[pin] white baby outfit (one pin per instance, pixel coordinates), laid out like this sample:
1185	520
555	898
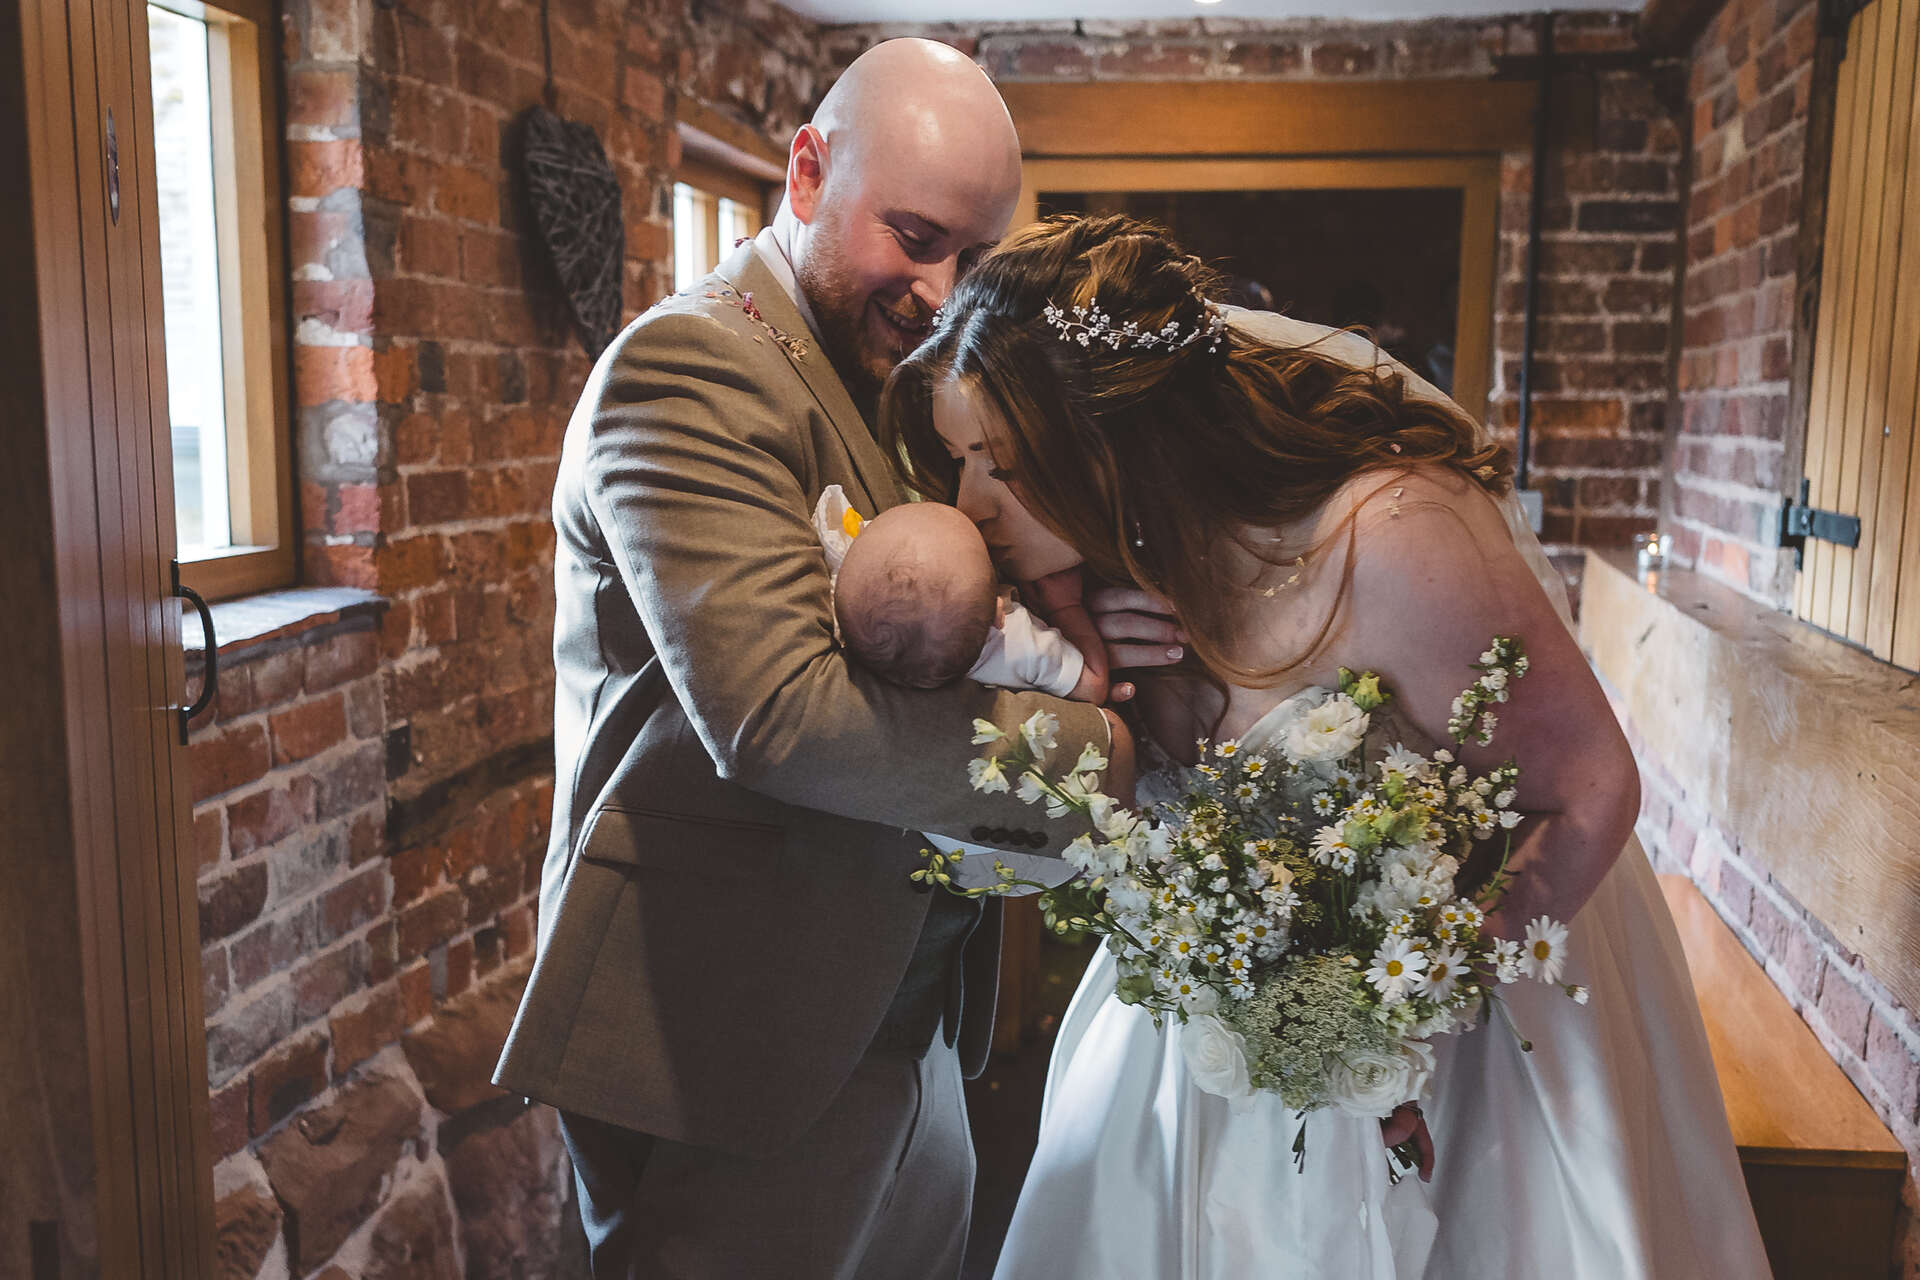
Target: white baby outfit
1021	652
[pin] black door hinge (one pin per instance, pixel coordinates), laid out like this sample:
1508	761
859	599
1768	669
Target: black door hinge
1798	522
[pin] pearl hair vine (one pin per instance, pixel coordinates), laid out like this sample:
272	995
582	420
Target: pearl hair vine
1089	325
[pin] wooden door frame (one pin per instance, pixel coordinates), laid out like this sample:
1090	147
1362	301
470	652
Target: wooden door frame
1477	177
113	798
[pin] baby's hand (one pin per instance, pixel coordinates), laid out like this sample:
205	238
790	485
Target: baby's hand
1091	687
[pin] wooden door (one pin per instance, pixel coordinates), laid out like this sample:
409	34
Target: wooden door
112	796
1863	397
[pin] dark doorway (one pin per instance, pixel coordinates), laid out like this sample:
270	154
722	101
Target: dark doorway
1385	258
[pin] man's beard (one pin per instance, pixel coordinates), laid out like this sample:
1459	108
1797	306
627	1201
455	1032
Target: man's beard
840	309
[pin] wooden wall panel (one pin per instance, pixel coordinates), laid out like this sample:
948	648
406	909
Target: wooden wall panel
1870	425
1838	274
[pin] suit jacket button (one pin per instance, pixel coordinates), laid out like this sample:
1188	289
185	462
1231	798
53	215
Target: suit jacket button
982	834
998	835
1038	839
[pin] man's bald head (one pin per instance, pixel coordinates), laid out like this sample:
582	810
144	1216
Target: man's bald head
908	171
922	106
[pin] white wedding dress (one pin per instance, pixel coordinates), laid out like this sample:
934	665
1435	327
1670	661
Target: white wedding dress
1602	1155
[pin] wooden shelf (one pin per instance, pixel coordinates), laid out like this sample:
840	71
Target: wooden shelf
1786	1099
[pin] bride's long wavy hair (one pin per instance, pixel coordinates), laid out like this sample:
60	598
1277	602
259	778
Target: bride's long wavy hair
1149	461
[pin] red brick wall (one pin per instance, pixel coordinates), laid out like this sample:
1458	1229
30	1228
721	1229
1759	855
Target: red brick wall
372	792
1602	356
1749	87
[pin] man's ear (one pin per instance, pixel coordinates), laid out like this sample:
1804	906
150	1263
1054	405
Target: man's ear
806	172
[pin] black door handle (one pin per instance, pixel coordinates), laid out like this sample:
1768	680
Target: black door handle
210	677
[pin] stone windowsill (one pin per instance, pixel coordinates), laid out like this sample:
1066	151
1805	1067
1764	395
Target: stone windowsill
253	626
1803	749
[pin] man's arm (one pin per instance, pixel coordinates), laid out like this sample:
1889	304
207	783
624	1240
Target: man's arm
707	524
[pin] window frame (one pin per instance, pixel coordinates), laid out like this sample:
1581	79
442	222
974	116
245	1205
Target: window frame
723	158
250	216
716	183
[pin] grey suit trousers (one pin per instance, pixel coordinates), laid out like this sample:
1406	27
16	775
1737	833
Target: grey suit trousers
880	1188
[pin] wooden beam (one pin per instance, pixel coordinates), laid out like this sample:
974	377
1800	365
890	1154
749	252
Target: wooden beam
723	142
1669	27
1804	750
1210	118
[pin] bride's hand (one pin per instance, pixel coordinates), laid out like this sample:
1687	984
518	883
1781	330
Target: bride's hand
1408	1122
1139	630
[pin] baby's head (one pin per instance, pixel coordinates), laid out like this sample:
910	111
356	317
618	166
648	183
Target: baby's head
916	595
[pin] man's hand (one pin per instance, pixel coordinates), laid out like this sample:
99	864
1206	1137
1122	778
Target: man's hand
1138	628
1408	1122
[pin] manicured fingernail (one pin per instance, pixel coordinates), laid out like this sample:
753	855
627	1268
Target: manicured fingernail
1181	636
1173	654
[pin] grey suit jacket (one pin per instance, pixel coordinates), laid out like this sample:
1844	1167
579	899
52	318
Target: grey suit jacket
725	910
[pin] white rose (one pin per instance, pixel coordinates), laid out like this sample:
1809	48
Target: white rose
1372	1082
1216	1057
1327	732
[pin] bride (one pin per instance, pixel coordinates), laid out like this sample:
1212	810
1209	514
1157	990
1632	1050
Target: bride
1300	507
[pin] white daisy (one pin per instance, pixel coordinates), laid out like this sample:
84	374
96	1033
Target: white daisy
1398	969
1326	843
1506	959
1194	995
1444	968
1545	950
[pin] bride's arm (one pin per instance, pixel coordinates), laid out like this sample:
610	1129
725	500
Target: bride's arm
1435	578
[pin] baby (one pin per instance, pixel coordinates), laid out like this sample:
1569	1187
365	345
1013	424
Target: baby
916	600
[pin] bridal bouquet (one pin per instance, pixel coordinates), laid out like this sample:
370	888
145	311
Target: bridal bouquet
1296	910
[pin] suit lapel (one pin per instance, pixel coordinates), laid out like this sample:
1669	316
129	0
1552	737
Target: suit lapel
748	274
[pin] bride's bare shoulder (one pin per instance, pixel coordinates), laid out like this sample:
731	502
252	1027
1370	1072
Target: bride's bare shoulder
1390	507
1432	539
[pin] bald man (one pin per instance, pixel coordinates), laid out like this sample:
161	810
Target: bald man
754	1028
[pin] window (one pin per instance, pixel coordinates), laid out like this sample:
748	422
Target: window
216	173
713	210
